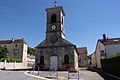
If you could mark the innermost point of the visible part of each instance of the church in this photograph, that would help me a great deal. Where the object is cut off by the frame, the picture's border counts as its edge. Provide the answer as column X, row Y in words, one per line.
column 55, row 51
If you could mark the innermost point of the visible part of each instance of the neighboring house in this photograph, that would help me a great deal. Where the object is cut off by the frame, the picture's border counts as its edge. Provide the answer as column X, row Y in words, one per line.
column 82, row 57
column 93, row 60
column 17, row 49
column 106, row 47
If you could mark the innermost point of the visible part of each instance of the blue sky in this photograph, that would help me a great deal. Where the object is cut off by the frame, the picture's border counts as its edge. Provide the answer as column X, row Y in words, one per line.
column 85, row 20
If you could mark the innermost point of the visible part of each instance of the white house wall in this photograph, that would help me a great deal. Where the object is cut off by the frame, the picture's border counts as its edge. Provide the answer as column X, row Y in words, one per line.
column 24, row 58
column 112, row 49
column 99, row 47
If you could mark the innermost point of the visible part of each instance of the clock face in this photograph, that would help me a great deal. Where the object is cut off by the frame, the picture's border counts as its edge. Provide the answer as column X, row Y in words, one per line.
column 53, row 27
column 53, row 38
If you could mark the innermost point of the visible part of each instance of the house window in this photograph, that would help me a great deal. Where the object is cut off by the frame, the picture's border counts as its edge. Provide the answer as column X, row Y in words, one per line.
column 41, row 59
column 53, row 18
column 4, row 45
column 15, row 52
column 16, row 45
column 103, row 53
column 66, row 59
column 81, row 58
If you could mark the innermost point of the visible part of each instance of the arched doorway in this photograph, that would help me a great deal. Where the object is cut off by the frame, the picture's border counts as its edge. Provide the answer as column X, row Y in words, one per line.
column 54, row 62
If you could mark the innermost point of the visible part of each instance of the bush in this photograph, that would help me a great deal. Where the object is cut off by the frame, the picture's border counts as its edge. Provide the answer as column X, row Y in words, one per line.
column 111, row 65
column 3, row 52
column 7, row 59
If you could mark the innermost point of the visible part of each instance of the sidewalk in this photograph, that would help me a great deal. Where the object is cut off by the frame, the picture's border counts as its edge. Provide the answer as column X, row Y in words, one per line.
column 105, row 75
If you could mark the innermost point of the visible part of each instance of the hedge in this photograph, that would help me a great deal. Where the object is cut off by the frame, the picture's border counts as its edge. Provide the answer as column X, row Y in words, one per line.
column 7, row 59
column 111, row 65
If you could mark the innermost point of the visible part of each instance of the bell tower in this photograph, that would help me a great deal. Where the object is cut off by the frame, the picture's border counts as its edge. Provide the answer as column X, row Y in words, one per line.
column 55, row 23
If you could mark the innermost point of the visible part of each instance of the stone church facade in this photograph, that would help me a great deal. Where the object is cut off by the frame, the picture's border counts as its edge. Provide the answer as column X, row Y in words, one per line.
column 55, row 51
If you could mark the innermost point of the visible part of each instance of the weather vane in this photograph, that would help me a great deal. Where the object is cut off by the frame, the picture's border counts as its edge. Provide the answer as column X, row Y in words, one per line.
column 55, row 2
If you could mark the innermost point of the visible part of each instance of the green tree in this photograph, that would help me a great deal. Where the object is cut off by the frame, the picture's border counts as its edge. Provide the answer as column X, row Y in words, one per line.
column 3, row 52
column 31, row 51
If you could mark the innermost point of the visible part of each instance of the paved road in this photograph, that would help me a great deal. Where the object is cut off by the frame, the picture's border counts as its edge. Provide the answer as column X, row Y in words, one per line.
column 15, row 75
column 84, row 75
column 19, row 75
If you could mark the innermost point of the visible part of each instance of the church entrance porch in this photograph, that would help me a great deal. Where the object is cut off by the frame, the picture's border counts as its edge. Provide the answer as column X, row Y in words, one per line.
column 54, row 62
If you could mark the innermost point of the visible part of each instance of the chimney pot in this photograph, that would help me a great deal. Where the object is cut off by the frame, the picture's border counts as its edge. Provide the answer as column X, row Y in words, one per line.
column 104, row 37
column 13, row 39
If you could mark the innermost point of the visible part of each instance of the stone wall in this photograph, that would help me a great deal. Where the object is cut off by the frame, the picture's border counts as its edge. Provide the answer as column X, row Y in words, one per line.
column 12, row 65
column 60, row 52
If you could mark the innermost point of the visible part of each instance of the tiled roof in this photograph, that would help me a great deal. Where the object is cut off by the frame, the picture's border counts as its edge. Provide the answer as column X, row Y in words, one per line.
column 110, row 41
column 13, row 41
column 82, row 50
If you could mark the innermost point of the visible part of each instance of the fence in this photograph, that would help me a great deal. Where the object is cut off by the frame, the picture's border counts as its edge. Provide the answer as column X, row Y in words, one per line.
column 12, row 65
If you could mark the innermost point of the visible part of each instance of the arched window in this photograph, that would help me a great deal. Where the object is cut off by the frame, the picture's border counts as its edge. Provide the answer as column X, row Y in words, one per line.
column 41, row 59
column 53, row 18
column 66, row 59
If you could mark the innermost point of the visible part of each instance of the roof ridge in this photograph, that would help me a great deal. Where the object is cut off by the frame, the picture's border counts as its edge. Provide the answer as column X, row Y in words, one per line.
column 11, row 41
column 110, row 41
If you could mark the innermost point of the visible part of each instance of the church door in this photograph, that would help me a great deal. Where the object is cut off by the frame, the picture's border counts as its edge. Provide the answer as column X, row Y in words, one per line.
column 54, row 62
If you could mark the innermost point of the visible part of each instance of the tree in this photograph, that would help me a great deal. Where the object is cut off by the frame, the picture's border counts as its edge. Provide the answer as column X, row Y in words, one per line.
column 31, row 51
column 3, row 52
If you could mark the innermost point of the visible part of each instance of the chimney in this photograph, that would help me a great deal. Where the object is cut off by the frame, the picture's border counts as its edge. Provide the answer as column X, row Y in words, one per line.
column 104, row 37
column 13, row 39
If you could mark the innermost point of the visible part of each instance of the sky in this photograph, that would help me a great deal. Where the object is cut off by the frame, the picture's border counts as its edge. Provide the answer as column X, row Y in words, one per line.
column 85, row 20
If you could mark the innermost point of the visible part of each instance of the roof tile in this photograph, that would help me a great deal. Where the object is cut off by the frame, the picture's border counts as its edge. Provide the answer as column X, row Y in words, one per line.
column 110, row 41
column 19, row 41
